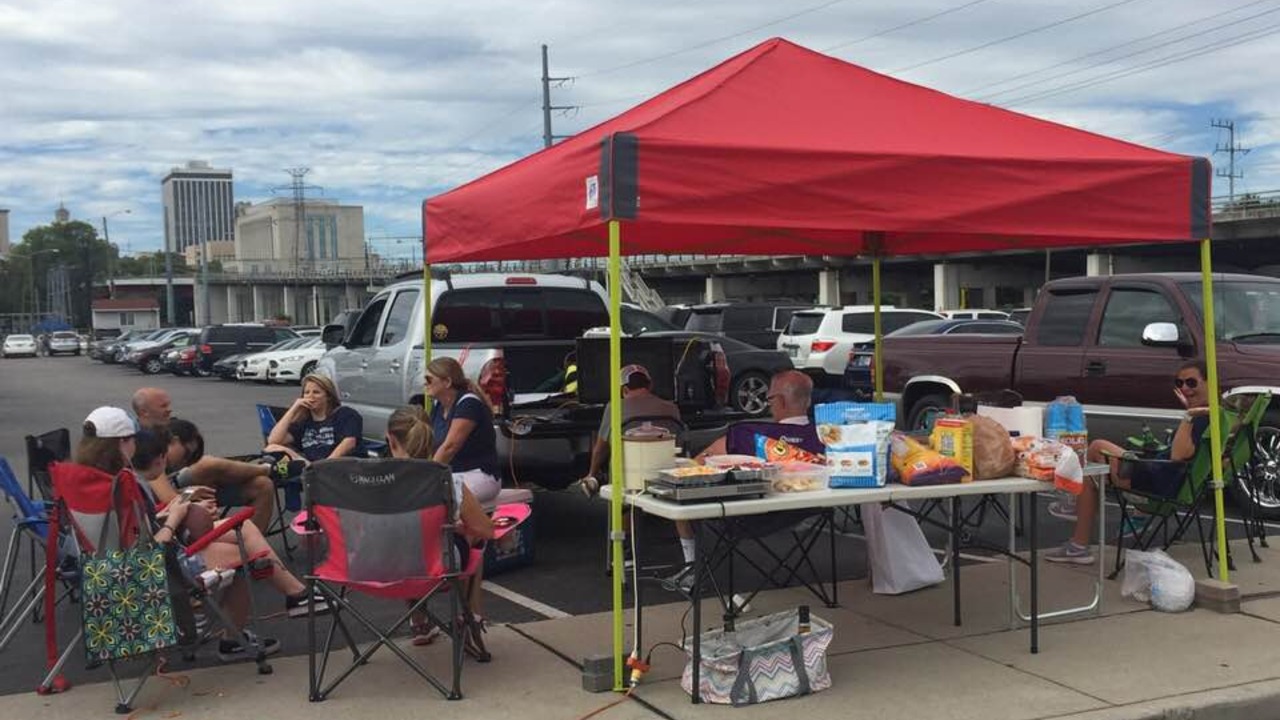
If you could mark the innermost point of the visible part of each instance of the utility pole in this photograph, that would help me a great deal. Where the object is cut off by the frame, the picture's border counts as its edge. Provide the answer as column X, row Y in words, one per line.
column 547, row 137
column 1231, row 149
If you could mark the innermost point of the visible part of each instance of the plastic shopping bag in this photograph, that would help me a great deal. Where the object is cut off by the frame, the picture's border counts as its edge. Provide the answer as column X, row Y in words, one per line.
column 898, row 554
column 1159, row 579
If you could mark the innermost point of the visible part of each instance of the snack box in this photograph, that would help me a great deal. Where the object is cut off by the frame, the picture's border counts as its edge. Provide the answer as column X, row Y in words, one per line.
column 742, row 467
column 693, row 475
column 800, row 477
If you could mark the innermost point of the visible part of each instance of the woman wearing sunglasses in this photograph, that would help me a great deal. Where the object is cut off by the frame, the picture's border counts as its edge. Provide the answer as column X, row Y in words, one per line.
column 1191, row 389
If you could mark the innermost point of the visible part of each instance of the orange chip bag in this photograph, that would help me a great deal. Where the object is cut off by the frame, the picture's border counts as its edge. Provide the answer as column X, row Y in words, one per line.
column 774, row 450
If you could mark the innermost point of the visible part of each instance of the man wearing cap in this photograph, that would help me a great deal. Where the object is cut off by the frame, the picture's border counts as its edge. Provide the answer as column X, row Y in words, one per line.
column 638, row 401
column 236, row 483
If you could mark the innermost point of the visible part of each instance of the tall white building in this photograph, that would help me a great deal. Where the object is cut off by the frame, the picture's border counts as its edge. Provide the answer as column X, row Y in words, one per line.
column 198, row 206
column 4, row 232
column 269, row 238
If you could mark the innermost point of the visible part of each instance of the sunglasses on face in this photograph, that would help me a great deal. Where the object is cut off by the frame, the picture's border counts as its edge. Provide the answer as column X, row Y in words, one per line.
column 1188, row 383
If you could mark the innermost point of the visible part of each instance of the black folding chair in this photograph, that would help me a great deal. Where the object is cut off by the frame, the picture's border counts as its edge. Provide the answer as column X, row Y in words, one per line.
column 388, row 529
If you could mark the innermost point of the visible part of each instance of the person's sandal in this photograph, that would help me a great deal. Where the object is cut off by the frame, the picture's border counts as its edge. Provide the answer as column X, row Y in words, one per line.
column 589, row 486
column 424, row 633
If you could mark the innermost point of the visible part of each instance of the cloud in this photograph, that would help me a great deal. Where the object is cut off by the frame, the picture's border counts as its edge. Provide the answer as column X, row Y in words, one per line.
column 392, row 103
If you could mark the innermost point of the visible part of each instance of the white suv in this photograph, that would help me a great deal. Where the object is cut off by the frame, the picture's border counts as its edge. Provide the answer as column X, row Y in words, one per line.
column 818, row 341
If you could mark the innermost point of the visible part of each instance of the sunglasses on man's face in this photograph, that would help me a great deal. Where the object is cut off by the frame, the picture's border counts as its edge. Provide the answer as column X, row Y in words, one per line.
column 1189, row 383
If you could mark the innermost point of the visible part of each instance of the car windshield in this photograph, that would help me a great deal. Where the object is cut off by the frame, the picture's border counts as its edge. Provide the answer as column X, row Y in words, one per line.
column 1243, row 311
column 804, row 323
column 282, row 345
column 924, row 327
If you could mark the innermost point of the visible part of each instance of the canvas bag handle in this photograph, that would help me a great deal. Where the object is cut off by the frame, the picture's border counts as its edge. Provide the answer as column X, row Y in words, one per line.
column 743, row 684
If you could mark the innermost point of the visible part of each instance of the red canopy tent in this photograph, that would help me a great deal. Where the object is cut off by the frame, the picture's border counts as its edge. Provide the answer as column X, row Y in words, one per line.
column 784, row 150
column 781, row 150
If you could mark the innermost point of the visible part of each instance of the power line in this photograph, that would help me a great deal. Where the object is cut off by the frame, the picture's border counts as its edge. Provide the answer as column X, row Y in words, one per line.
column 903, row 26
column 1162, row 62
column 1014, row 36
column 1100, row 63
column 713, row 41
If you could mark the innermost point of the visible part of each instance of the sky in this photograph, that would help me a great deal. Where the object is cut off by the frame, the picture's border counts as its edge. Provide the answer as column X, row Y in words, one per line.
column 393, row 102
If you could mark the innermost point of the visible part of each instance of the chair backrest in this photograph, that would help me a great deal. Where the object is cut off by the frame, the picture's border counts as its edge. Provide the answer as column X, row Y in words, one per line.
column 1238, row 449
column 741, row 439
column 268, row 416
column 24, row 507
column 42, row 451
column 85, row 494
column 385, row 520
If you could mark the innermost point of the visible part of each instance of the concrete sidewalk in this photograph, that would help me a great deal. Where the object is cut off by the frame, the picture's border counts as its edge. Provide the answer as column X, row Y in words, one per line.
column 891, row 657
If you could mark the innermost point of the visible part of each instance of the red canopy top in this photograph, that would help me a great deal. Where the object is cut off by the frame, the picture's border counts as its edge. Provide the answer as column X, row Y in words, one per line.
column 782, row 150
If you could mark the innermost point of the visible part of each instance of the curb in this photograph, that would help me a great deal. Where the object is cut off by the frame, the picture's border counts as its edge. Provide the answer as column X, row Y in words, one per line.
column 1251, row 701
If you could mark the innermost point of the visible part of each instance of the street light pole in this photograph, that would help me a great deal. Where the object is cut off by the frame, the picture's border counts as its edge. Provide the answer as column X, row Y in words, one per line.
column 111, row 268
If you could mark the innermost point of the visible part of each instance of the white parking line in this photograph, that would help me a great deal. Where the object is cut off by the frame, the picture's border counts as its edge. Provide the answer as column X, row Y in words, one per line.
column 524, row 601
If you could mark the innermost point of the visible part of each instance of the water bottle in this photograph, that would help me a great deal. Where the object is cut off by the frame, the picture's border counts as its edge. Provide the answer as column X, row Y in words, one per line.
column 1075, row 417
column 1055, row 419
column 804, row 626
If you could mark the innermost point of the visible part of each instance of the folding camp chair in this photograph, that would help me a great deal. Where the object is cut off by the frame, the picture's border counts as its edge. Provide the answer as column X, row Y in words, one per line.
column 30, row 523
column 1169, row 518
column 43, row 450
column 84, row 501
column 386, row 528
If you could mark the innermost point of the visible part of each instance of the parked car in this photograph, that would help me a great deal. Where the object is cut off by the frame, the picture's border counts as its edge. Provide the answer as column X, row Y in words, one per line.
column 858, row 374
column 18, row 346
column 307, row 330
column 148, row 358
column 294, row 364
column 512, row 334
column 224, row 369
column 132, row 350
column 254, row 366
column 118, row 350
column 1113, row 342
column 1020, row 315
column 750, row 367
column 975, row 314
column 218, row 341
column 98, row 348
column 757, row 324
column 179, row 360
column 63, row 342
column 818, row 341
column 84, row 343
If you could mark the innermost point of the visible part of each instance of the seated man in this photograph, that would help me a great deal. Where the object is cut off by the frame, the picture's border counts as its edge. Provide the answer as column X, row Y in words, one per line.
column 1192, row 391
column 638, row 403
column 235, row 483
column 790, row 396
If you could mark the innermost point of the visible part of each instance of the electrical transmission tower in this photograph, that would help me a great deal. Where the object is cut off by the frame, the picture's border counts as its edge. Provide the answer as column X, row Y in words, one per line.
column 1232, row 149
column 298, row 189
column 58, row 292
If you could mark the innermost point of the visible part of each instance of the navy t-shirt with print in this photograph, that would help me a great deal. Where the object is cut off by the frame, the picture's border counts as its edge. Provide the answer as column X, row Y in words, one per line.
column 316, row 439
column 480, row 450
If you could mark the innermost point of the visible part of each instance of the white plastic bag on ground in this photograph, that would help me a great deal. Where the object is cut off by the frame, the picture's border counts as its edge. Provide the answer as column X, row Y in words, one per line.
column 1154, row 576
column 897, row 552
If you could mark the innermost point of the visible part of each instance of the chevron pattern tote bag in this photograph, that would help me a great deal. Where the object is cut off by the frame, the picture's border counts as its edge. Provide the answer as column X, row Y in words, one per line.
column 763, row 659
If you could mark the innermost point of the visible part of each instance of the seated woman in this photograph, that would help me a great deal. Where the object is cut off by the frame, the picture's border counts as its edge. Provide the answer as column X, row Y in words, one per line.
column 317, row 425
column 110, row 445
column 409, row 436
column 463, row 423
column 1192, row 391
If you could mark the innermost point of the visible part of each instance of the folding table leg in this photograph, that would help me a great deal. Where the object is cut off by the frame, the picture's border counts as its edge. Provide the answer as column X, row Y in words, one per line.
column 1034, row 542
column 696, row 598
column 955, row 556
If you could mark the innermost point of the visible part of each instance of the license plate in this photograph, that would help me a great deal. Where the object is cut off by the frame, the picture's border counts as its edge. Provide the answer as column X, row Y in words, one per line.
column 861, row 360
column 792, row 350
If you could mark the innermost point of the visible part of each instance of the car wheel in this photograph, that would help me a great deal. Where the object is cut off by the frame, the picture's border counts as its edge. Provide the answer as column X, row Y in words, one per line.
column 152, row 366
column 306, row 370
column 1261, row 487
column 198, row 371
column 750, row 393
column 926, row 410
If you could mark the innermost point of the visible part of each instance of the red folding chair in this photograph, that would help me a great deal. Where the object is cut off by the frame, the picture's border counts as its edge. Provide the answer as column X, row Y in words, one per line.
column 387, row 528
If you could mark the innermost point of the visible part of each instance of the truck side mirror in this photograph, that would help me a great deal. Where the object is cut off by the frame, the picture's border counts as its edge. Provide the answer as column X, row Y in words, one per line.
column 333, row 335
column 1160, row 334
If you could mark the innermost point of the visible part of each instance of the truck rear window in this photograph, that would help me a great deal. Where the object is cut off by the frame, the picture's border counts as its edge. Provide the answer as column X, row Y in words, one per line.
column 710, row 320
column 514, row 313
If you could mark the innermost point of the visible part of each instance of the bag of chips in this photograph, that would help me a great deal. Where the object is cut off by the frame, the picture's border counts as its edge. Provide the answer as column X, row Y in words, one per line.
column 917, row 464
column 776, row 450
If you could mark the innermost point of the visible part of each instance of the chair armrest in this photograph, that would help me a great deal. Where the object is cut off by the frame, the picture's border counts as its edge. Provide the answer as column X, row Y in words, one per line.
column 232, row 523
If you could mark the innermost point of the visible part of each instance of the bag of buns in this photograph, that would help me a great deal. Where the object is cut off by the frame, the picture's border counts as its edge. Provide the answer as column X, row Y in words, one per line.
column 993, row 455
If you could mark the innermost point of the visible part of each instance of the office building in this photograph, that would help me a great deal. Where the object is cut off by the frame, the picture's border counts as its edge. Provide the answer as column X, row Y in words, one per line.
column 198, row 206
column 270, row 240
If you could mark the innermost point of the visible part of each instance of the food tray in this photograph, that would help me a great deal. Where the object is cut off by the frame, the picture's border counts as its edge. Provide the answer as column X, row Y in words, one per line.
column 694, row 475
column 800, row 477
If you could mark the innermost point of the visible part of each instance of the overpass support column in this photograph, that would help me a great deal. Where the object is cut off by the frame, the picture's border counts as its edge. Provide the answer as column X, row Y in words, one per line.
column 352, row 297
column 233, row 304
column 290, row 304
column 946, row 286
column 829, row 288
column 257, row 302
column 714, row 291
column 315, row 305
column 1096, row 264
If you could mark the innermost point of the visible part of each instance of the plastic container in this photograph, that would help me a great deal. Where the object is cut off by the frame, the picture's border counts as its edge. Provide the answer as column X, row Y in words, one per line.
column 800, row 477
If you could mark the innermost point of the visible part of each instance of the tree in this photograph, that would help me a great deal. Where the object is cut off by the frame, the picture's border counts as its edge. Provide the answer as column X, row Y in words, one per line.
column 74, row 244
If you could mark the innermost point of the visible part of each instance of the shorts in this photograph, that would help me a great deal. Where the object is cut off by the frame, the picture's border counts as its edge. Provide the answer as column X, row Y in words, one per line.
column 1158, row 478
column 482, row 485
column 230, row 496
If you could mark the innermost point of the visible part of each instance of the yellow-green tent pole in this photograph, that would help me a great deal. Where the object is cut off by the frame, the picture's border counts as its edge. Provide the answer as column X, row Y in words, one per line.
column 878, row 369
column 426, row 327
column 615, row 437
column 1215, row 420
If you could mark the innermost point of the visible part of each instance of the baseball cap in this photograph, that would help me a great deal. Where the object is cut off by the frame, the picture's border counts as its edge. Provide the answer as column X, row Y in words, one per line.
column 631, row 371
column 110, row 422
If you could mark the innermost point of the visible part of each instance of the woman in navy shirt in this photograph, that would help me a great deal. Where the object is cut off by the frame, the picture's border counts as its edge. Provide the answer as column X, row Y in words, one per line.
column 463, row 424
column 317, row 425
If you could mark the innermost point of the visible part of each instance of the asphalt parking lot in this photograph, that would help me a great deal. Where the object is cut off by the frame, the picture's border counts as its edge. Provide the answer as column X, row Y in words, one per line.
column 567, row 577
